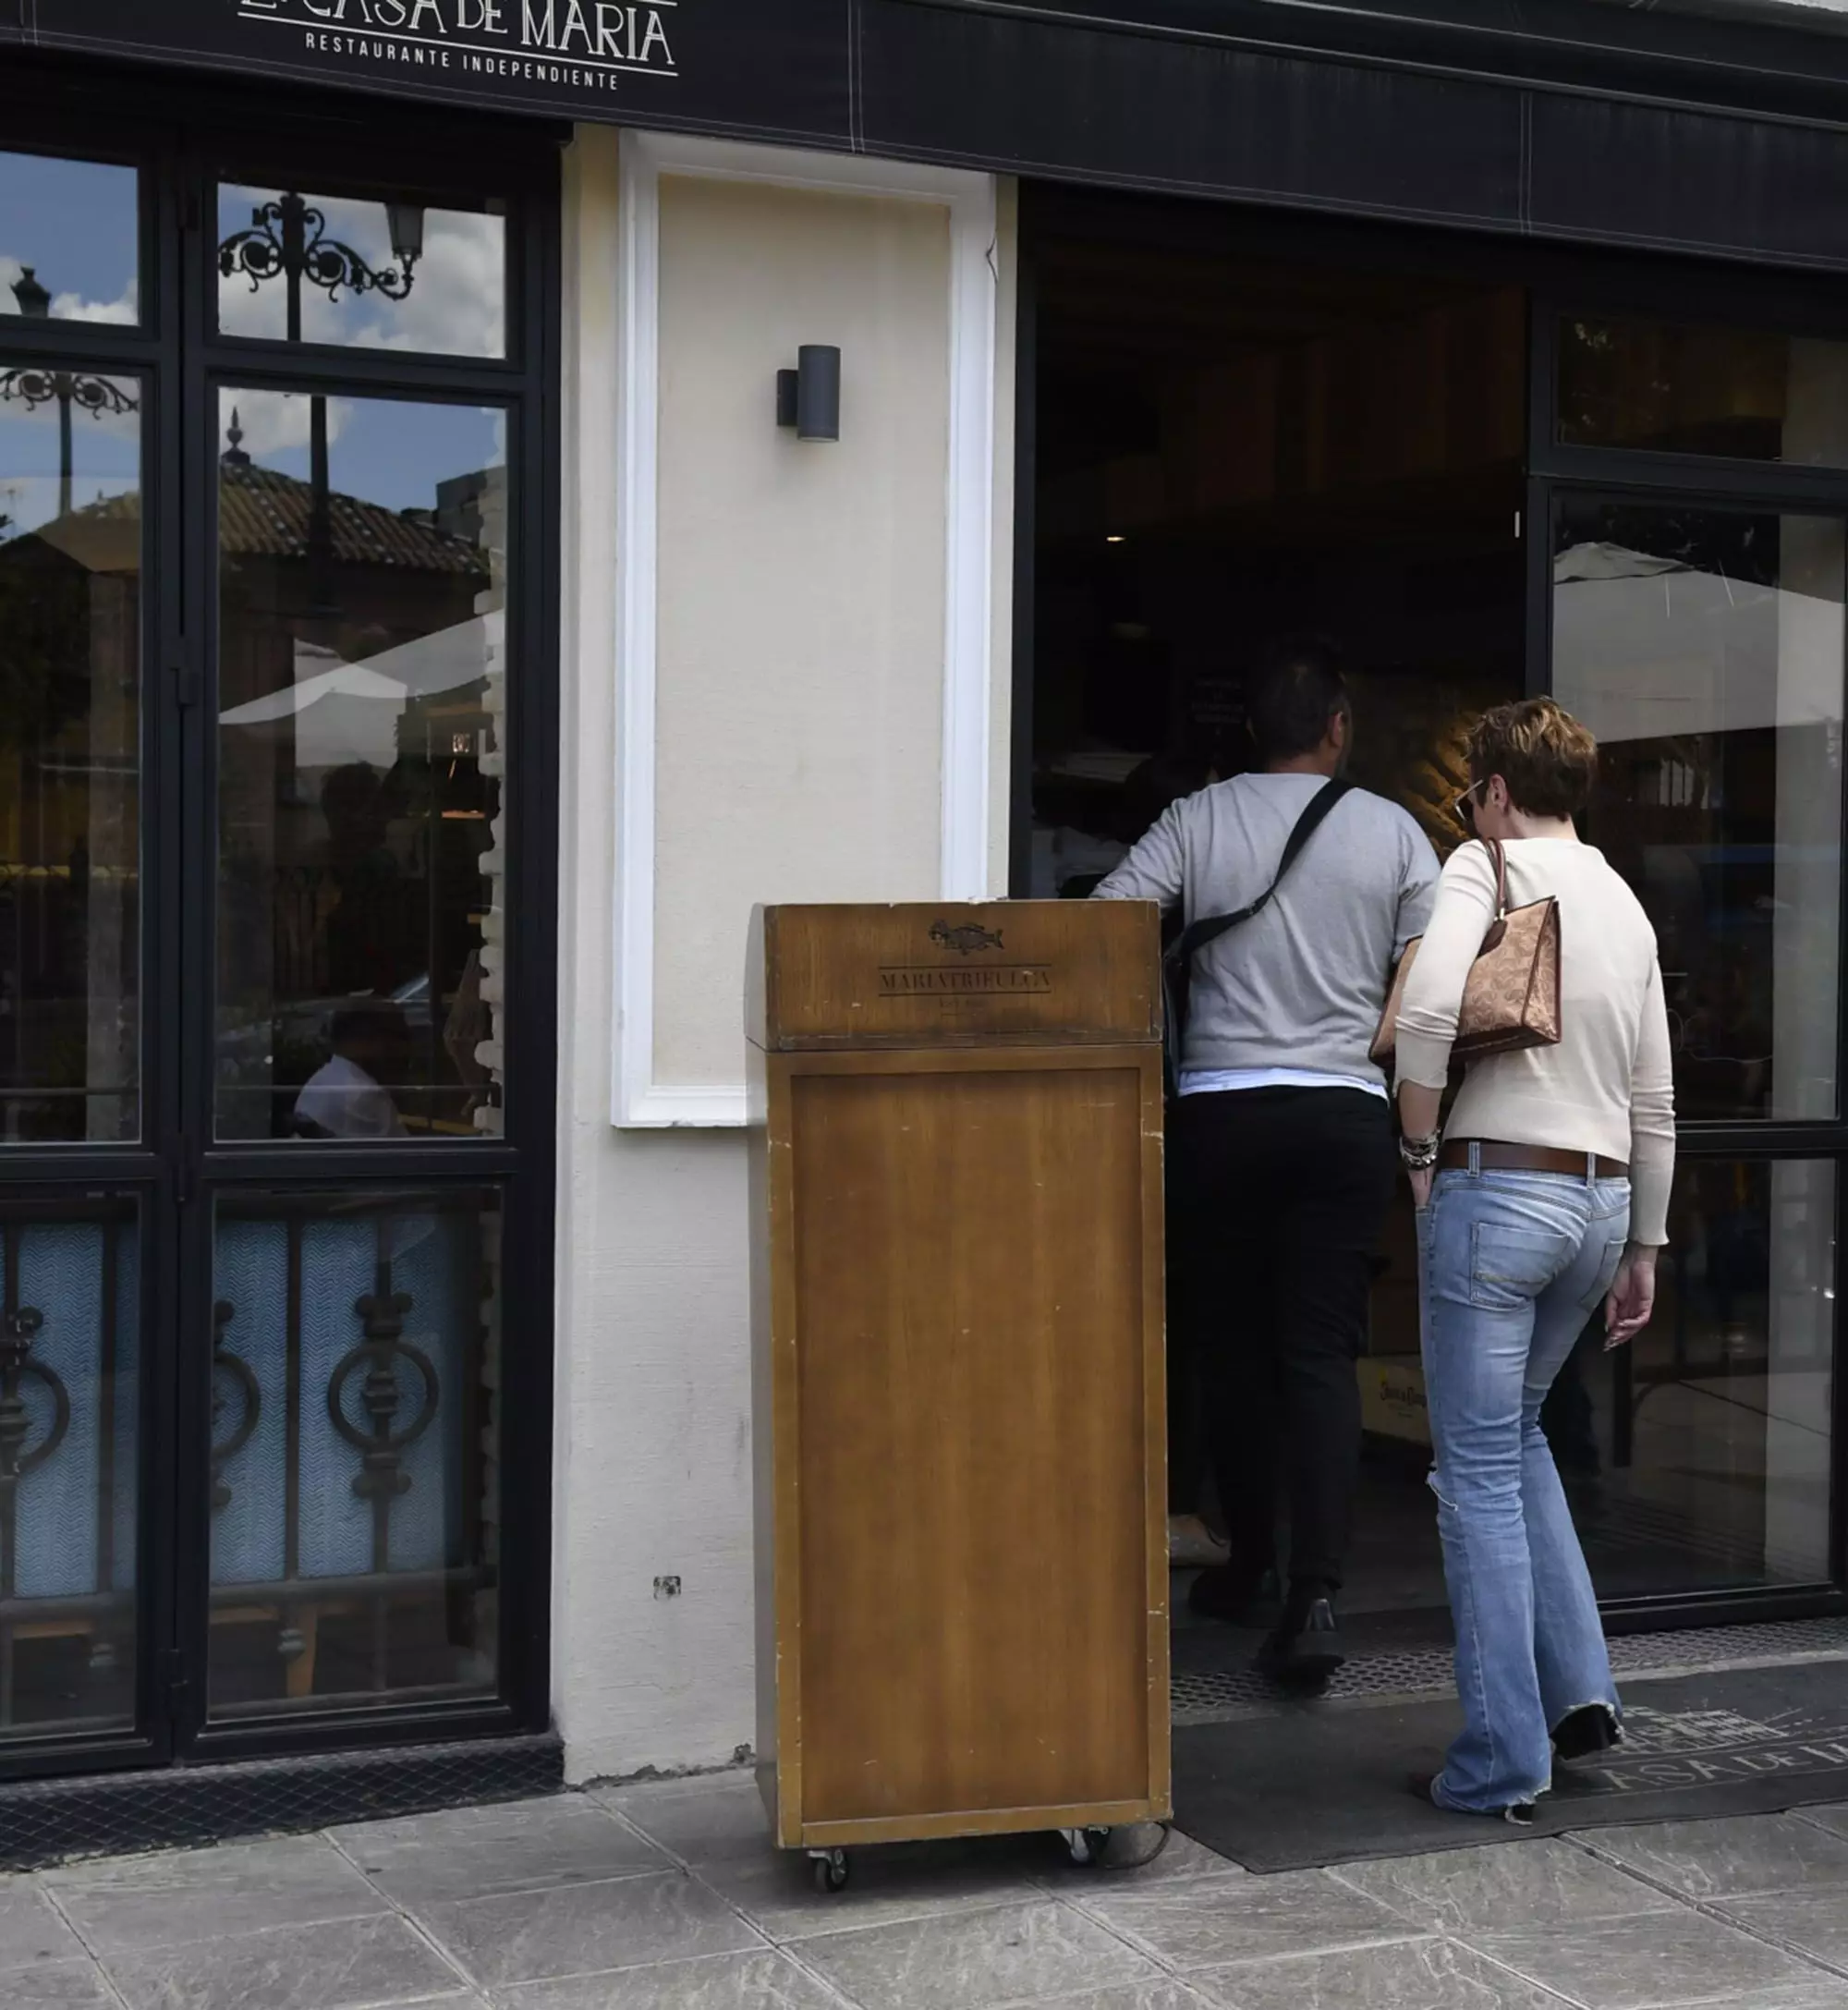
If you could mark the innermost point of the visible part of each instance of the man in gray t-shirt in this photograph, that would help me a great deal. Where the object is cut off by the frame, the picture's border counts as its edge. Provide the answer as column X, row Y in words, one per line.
column 1281, row 1151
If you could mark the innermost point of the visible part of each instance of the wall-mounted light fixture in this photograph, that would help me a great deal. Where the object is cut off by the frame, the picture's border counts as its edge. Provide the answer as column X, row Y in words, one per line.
column 809, row 397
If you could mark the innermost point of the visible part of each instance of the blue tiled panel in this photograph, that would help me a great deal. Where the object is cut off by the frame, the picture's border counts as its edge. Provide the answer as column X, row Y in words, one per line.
column 436, row 1262
column 251, row 1273
column 62, row 1512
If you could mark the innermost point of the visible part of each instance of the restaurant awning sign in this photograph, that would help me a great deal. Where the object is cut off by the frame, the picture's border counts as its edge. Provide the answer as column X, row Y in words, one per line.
column 779, row 68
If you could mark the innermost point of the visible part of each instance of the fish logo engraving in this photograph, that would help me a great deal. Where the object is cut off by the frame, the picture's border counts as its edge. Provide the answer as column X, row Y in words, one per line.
column 964, row 939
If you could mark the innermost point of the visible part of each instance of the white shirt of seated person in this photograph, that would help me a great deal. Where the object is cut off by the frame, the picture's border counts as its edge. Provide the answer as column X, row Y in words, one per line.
column 343, row 1100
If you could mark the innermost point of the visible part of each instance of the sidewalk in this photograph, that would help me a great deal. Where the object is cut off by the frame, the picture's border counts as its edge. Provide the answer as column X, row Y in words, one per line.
column 667, row 1898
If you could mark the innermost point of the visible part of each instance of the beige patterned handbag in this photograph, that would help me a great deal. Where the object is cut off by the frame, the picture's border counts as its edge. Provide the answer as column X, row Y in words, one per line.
column 1512, row 997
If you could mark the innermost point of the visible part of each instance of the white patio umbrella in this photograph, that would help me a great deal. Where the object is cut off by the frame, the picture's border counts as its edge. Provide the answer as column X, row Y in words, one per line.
column 1646, row 648
column 349, row 711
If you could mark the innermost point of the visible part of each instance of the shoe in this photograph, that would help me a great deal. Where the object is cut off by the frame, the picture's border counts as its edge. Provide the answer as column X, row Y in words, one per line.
column 1584, row 1732
column 1227, row 1594
column 1305, row 1649
column 1193, row 1546
column 1422, row 1785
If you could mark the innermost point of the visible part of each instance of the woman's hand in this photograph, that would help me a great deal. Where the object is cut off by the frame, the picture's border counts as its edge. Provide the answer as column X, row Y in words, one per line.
column 1421, row 1187
column 1632, row 1299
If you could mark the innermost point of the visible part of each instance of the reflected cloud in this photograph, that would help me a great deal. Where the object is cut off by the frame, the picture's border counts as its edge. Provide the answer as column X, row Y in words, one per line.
column 279, row 422
column 124, row 312
column 455, row 307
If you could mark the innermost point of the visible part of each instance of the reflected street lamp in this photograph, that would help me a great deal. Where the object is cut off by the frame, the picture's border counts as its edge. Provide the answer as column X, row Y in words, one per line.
column 287, row 240
column 33, row 384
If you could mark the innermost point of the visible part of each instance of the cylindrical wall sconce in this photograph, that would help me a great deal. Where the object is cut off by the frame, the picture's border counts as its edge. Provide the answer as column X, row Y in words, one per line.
column 809, row 397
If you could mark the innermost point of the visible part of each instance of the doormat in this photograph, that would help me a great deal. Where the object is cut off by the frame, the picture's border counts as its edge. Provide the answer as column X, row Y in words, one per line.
column 1322, row 1783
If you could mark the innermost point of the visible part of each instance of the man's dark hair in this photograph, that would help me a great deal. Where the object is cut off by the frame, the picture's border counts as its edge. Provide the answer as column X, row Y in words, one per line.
column 1294, row 688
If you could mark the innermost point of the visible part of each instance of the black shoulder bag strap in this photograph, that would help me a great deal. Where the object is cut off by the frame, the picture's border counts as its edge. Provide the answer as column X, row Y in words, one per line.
column 1177, row 961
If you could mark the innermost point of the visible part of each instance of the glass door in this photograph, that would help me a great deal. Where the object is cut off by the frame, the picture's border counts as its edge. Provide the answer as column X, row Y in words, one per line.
column 275, row 1100
column 83, row 1181
column 363, row 808
column 1698, row 571
column 367, row 1065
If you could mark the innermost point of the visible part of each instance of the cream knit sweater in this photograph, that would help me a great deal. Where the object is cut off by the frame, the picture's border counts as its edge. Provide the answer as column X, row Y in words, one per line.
column 1608, row 1086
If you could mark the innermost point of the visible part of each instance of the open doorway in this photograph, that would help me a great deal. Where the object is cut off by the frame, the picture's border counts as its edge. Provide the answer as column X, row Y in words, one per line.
column 1230, row 448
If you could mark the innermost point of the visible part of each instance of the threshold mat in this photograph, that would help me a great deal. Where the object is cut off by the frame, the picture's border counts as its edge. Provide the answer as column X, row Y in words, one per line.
column 1315, row 1784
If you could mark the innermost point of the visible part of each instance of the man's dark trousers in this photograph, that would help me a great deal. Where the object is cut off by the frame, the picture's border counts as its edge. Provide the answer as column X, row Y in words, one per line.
column 1282, row 1196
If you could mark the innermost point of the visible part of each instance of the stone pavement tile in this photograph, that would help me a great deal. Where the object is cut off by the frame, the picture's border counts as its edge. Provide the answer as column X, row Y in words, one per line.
column 1503, row 1886
column 703, row 1820
column 1731, row 1855
column 632, row 1922
column 1182, row 1858
column 1835, row 1818
column 767, row 1981
column 1821, row 1994
column 1661, row 1958
column 1814, row 1922
column 31, row 1930
column 1409, row 1975
column 971, row 1960
column 339, row 1965
column 57, row 1985
column 517, row 1847
column 1166, row 1994
column 160, row 1901
column 895, row 1881
column 1202, row 1923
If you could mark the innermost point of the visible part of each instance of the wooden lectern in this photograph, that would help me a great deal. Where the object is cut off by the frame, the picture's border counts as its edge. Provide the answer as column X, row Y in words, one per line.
column 962, row 1581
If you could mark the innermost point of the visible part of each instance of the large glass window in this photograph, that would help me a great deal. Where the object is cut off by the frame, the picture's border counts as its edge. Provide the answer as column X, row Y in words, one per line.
column 355, row 1460
column 362, row 656
column 1705, row 649
column 70, row 729
column 70, row 239
column 260, row 1202
column 1747, row 392
column 1699, row 1457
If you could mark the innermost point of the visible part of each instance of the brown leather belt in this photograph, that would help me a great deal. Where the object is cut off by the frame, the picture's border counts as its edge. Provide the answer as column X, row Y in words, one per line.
column 1499, row 1157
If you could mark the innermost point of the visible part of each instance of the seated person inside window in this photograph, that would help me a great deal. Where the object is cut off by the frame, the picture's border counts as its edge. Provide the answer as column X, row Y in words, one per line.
column 346, row 1096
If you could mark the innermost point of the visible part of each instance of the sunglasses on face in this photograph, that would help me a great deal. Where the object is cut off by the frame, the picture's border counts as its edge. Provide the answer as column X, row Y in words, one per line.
column 1464, row 807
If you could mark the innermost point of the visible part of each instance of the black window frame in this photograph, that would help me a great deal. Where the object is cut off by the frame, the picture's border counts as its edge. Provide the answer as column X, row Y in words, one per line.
column 319, row 142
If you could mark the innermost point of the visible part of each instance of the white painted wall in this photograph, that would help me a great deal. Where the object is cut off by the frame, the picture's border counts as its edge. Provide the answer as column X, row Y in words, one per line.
column 801, row 630
column 800, row 623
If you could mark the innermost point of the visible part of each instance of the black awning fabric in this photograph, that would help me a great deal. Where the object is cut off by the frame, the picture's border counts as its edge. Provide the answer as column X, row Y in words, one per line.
column 1571, row 119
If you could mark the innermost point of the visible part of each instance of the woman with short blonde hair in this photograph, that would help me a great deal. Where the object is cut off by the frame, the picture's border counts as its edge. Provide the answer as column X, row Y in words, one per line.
column 1546, row 1193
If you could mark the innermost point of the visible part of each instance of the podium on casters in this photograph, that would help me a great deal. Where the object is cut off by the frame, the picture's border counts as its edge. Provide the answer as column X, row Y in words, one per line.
column 962, row 1571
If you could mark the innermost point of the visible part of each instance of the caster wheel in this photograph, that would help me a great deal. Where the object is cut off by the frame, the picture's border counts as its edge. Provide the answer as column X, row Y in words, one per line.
column 830, row 1869
column 1088, row 1845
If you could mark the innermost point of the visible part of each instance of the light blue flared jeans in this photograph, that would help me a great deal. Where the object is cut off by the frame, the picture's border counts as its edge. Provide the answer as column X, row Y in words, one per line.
column 1513, row 1264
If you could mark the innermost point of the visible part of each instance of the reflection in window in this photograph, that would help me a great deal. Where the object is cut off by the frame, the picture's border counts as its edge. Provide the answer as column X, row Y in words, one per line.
column 70, row 1302
column 391, row 274
column 1705, row 649
column 1746, row 393
column 69, row 232
column 1699, row 1457
column 361, row 692
column 355, row 1462
column 70, row 610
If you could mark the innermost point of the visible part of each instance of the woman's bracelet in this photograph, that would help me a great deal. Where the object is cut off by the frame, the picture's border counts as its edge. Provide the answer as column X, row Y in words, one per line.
column 1420, row 1155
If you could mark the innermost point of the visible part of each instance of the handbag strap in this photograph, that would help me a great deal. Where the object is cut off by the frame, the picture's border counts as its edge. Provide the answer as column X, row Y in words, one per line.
column 1196, row 937
column 1498, row 927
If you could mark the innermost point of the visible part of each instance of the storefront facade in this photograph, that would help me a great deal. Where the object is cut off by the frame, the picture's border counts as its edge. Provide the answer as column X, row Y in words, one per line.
column 428, row 647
